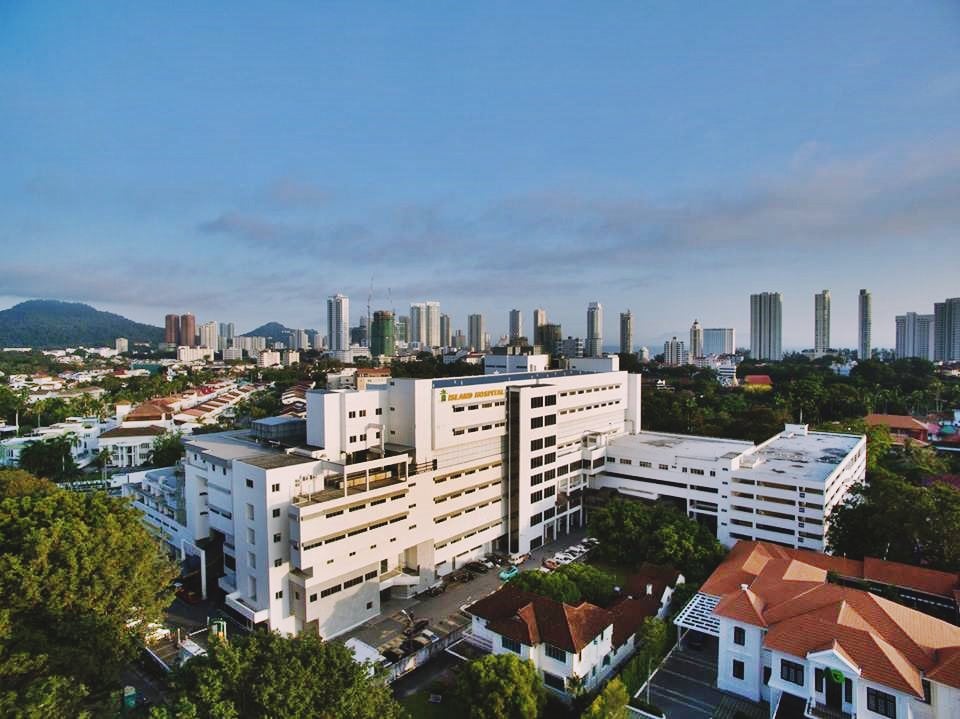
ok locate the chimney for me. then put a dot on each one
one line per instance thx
(649, 589)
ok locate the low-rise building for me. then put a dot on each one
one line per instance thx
(159, 495)
(789, 634)
(902, 428)
(130, 446)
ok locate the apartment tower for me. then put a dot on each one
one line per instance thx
(821, 322)
(766, 310)
(626, 332)
(594, 343)
(338, 323)
(865, 316)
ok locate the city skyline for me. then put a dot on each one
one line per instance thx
(240, 156)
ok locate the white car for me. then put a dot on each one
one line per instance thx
(576, 548)
(563, 558)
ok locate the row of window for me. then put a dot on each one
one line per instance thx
(588, 407)
(547, 420)
(537, 444)
(360, 505)
(468, 490)
(359, 530)
(546, 401)
(464, 473)
(589, 390)
(542, 494)
(346, 585)
(548, 458)
(465, 510)
(352, 414)
(485, 405)
(543, 516)
(467, 535)
(458, 431)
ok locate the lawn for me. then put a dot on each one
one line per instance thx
(618, 571)
(418, 706)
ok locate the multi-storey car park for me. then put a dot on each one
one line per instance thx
(400, 484)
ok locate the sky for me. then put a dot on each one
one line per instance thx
(244, 161)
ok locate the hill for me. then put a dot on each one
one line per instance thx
(275, 332)
(51, 323)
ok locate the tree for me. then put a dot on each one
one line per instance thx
(553, 585)
(50, 458)
(653, 641)
(167, 450)
(611, 703)
(80, 579)
(19, 482)
(500, 686)
(264, 674)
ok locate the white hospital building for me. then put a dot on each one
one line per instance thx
(399, 484)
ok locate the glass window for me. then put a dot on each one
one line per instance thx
(791, 672)
(512, 644)
(737, 669)
(881, 703)
(555, 682)
(818, 679)
(739, 636)
(559, 654)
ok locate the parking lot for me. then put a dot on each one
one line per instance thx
(442, 612)
(684, 686)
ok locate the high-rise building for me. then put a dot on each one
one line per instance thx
(551, 339)
(122, 345)
(210, 335)
(383, 334)
(915, 336)
(303, 340)
(227, 332)
(338, 323)
(719, 341)
(417, 329)
(821, 322)
(594, 343)
(674, 353)
(171, 330)
(476, 333)
(696, 340)
(188, 330)
(946, 320)
(446, 332)
(516, 325)
(460, 340)
(626, 332)
(865, 316)
(572, 347)
(766, 310)
(432, 324)
(539, 320)
(402, 323)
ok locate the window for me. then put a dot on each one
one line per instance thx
(848, 691)
(739, 636)
(278, 595)
(550, 400)
(927, 693)
(791, 672)
(363, 413)
(249, 484)
(251, 560)
(379, 411)
(276, 513)
(251, 536)
(274, 487)
(536, 496)
(536, 402)
(512, 644)
(352, 415)
(554, 653)
(549, 491)
(536, 422)
(881, 703)
(664, 466)
(737, 669)
(313, 597)
(536, 462)
(766, 676)
(249, 511)
(549, 420)
(555, 682)
(276, 537)
(536, 444)
(818, 679)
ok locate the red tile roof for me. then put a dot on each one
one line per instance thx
(786, 591)
(896, 421)
(758, 379)
(149, 431)
(531, 619)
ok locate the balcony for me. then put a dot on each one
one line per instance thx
(236, 602)
(352, 479)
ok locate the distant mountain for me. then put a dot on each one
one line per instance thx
(51, 323)
(275, 332)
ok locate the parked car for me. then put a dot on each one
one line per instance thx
(436, 590)
(509, 573)
(488, 563)
(550, 564)
(562, 558)
(497, 559)
(519, 558)
(578, 548)
(477, 567)
(591, 541)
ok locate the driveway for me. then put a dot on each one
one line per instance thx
(684, 686)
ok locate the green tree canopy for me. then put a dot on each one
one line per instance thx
(571, 583)
(50, 458)
(611, 703)
(267, 675)
(19, 482)
(167, 450)
(500, 686)
(80, 578)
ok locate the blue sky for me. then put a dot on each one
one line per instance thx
(243, 161)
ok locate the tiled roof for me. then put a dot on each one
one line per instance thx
(896, 421)
(531, 619)
(786, 591)
(149, 411)
(758, 379)
(628, 615)
(151, 431)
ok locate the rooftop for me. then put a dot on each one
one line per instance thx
(149, 431)
(506, 377)
(707, 448)
(228, 446)
(810, 456)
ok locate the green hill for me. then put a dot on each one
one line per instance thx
(51, 323)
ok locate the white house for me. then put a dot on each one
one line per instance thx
(130, 446)
(818, 648)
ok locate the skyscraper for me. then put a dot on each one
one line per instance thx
(946, 320)
(696, 340)
(417, 333)
(626, 332)
(674, 353)
(171, 330)
(821, 322)
(539, 320)
(865, 314)
(403, 328)
(446, 332)
(915, 336)
(383, 334)
(719, 341)
(766, 311)
(338, 323)
(432, 324)
(593, 347)
(516, 324)
(188, 330)
(476, 333)
(551, 338)
(227, 332)
(210, 335)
